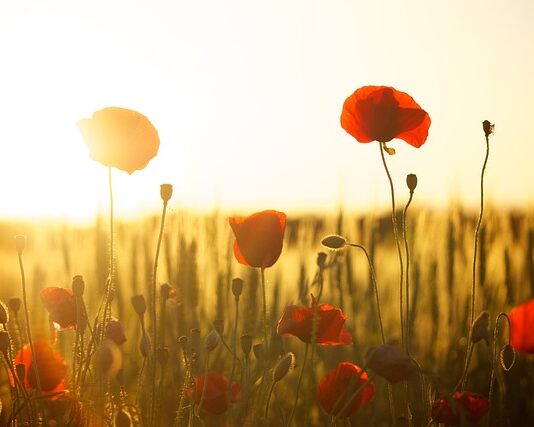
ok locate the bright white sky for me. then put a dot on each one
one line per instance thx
(246, 95)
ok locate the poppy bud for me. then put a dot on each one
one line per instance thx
(115, 332)
(321, 260)
(479, 330)
(123, 419)
(144, 345)
(163, 355)
(212, 340)
(507, 357)
(165, 192)
(14, 304)
(237, 286)
(183, 340)
(333, 241)
(488, 127)
(246, 344)
(139, 305)
(411, 181)
(78, 286)
(218, 324)
(283, 366)
(259, 350)
(4, 342)
(20, 243)
(4, 316)
(165, 291)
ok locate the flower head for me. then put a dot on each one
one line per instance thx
(522, 332)
(259, 238)
(297, 320)
(61, 306)
(120, 138)
(390, 363)
(382, 113)
(463, 405)
(216, 393)
(336, 391)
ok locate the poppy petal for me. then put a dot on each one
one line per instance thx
(521, 331)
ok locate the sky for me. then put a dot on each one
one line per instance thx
(246, 96)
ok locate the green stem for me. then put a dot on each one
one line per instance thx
(269, 400)
(298, 387)
(407, 250)
(264, 309)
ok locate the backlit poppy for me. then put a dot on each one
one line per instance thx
(522, 327)
(120, 138)
(390, 363)
(115, 332)
(216, 393)
(259, 238)
(61, 306)
(51, 367)
(382, 113)
(297, 320)
(338, 387)
(450, 411)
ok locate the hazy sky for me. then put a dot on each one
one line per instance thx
(247, 94)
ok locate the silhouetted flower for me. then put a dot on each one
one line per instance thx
(522, 330)
(381, 113)
(61, 306)
(259, 238)
(450, 410)
(297, 320)
(390, 363)
(120, 138)
(337, 388)
(115, 332)
(50, 366)
(216, 393)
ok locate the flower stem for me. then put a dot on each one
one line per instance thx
(396, 235)
(264, 309)
(494, 353)
(204, 384)
(269, 400)
(234, 343)
(298, 387)
(407, 250)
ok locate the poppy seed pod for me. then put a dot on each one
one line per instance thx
(78, 286)
(321, 259)
(165, 192)
(139, 304)
(212, 340)
(333, 241)
(246, 344)
(411, 181)
(20, 243)
(14, 304)
(479, 330)
(4, 316)
(5, 342)
(237, 286)
(283, 366)
(488, 127)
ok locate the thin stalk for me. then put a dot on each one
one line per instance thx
(298, 386)
(110, 285)
(19, 385)
(407, 250)
(494, 353)
(264, 309)
(396, 235)
(204, 384)
(234, 343)
(269, 400)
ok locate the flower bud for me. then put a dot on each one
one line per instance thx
(218, 325)
(14, 304)
(411, 181)
(488, 127)
(5, 342)
(20, 243)
(212, 340)
(321, 259)
(144, 345)
(4, 316)
(283, 366)
(246, 344)
(165, 192)
(139, 305)
(123, 419)
(507, 357)
(390, 363)
(115, 332)
(237, 286)
(183, 340)
(78, 286)
(479, 330)
(333, 241)
(164, 291)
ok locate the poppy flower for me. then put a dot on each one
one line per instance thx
(51, 367)
(522, 332)
(61, 306)
(297, 320)
(382, 113)
(120, 138)
(339, 385)
(390, 363)
(216, 393)
(450, 411)
(259, 238)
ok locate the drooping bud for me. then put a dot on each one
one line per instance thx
(212, 340)
(411, 181)
(218, 325)
(5, 342)
(165, 192)
(139, 305)
(283, 366)
(4, 315)
(165, 291)
(183, 340)
(246, 344)
(123, 419)
(14, 304)
(488, 127)
(507, 357)
(479, 329)
(321, 259)
(78, 286)
(237, 286)
(20, 243)
(333, 241)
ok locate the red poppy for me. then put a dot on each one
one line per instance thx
(259, 238)
(297, 320)
(51, 367)
(216, 393)
(337, 388)
(382, 113)
(61, 306)
(450, 411)
(120, 138)
(390, 363)
(522, 329)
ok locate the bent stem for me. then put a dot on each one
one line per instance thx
(396, 235)
(298, 387)
(494, 353)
